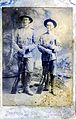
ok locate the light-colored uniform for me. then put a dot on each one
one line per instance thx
(23, 43)
(23, 40)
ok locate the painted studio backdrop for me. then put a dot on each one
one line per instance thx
(63, 32)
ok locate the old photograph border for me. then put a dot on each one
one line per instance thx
(49, 8)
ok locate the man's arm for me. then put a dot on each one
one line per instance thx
(14, 41)
(42, 49)
(30, 47)
(54, 46)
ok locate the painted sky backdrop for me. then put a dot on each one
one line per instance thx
(63, 17)
(63, 31)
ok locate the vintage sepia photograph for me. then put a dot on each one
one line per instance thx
(37, 55)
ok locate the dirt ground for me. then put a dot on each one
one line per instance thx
(62, 97)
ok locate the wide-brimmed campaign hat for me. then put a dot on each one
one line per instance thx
(50, 20)
(26, 16)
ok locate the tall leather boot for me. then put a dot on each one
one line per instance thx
(26, 88)
(47, 82)
(52, 83)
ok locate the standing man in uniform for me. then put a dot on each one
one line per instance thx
(23, 42)
(47, 47)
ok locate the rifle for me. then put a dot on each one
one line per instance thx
(21, 69)
(15, 85)
(18, 78)
(45, 77)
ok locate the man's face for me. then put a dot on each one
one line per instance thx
(49, 26)
(25, 21)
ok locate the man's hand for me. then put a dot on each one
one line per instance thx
(21, 51)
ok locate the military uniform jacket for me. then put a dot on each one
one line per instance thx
(23, 39)
(47, 47)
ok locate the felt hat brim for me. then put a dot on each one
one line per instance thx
(50, 20)
(25, 16)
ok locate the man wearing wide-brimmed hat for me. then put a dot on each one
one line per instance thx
(23, 42)
(47, 47)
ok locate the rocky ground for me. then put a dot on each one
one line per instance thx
(62, 90)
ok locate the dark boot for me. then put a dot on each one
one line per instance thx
(52, 83)
(46, 88)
